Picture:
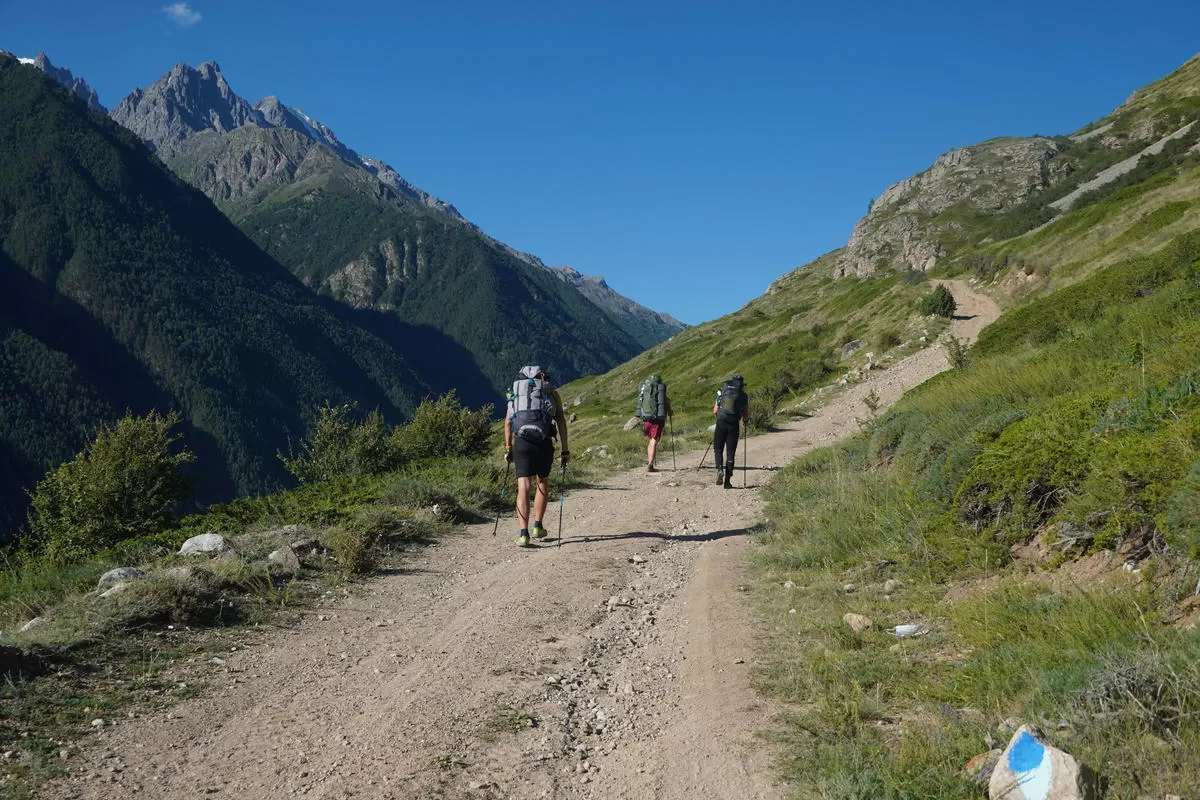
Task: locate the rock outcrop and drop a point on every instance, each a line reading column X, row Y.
column 905, row 226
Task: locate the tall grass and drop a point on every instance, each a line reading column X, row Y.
column 1077, row 423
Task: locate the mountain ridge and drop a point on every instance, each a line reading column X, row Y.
column 261, row 177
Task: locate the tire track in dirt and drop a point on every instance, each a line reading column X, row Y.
column 628, row 648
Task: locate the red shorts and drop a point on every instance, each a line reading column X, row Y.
column 653, row 429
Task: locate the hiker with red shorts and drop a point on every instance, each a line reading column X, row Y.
column 653, row 408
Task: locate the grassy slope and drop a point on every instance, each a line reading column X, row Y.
column 1073, row 437
column 1076, row 427
column 785, row 343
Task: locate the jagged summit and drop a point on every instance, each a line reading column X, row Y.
column 63, row 75
column 182, row 103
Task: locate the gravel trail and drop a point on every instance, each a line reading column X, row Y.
column 613, row 666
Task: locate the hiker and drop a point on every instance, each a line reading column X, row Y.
column 534, row 418
column 731, row 409
column 653, row 408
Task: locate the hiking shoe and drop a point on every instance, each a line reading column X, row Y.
column 651, row 468
column 728, row 484
column 523, row 540
column 720, row 476
column 538, row 532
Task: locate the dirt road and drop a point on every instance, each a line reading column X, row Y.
column 613, row 666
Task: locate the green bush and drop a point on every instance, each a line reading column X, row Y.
column 340, row 446
column 443, row 427
column 121, row 487
column 939, row 302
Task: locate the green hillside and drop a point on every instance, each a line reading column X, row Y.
column 1036, row 511
column 786, row 343
column 124, row 288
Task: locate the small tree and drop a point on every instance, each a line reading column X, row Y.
column 939, row 302
column 443, row 427
column 122, row 486
column 341, row 446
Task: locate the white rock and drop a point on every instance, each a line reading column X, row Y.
column 205, row 543
column 891, row 585
column 119, row 575
column 637, row 559
column 632, row 423
column 33, row 623
column 1029, row 768
column 97, row 723
column 116, row 589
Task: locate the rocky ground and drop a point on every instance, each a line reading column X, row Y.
column 614, row 663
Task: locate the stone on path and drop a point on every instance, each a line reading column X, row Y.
column 857, row 622
column 1029, row 769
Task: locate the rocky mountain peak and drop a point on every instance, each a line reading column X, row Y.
column 182, row 103
column 63, row 75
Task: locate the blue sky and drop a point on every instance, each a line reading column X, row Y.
column 689, row 152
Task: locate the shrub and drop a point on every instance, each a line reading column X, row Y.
column 443, row 427
column 120, row 487
column 958, row 352
column 340, row 446
column 939, row 302
column 352, row 549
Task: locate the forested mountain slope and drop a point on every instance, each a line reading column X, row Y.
column 125, row 288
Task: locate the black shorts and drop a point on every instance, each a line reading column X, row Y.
column 533, row 459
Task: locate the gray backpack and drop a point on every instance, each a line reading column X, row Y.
column 533, row 406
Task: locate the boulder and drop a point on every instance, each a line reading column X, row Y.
column 1030, row 769
column 33, row 623
column 205, row 543
column 632, row 423
column 119, row 575
column 857, row 622
column 850, row 348
column 285, row 557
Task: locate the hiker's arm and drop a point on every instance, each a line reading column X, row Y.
column 508, row 438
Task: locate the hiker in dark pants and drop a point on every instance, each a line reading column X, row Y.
column 534, row 419
column 731, row 410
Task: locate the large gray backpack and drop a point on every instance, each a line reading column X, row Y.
column 533, row 406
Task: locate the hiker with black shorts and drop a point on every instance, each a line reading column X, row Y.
column 533, row 419
column 731, row 409
column 653, row 408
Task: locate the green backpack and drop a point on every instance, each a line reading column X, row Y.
column 652, row 399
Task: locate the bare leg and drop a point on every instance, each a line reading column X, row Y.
column 651, row 450
column 539, row 502
column 523, row 503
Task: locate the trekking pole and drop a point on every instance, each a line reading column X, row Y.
column 562, row 490
column 503, row 489
column 745, row 452
column 674, row 466
column 704, row 457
